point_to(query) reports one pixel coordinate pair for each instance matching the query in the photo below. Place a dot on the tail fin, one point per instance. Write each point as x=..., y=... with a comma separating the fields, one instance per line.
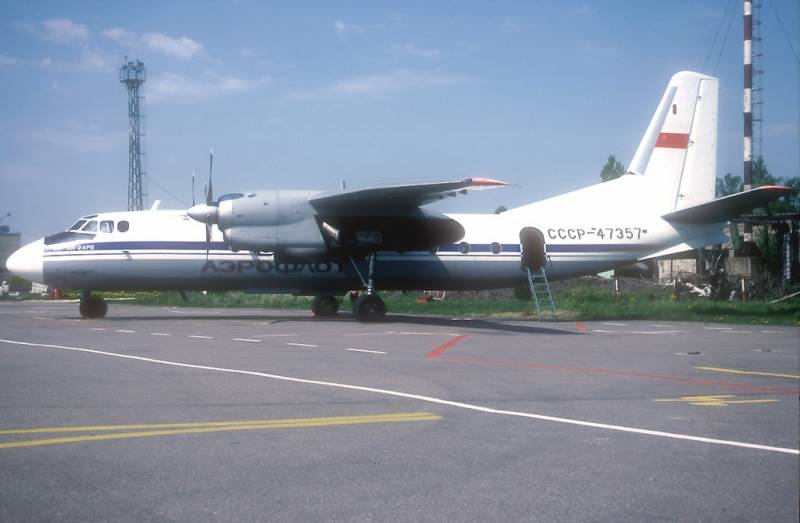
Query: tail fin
x=678, y=153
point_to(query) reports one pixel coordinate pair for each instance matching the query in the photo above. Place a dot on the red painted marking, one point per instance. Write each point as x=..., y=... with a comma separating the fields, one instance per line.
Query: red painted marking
x=580, y=326
x=611, y=372
x=673, y=140
x=486, y=181
x=452, y=342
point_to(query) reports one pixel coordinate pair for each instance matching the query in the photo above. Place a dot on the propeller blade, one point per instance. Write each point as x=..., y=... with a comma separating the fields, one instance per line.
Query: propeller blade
x=193, y=204
x=210, y=193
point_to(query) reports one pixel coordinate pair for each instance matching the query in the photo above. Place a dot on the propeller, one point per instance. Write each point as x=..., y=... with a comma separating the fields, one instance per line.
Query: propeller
x=208, y=212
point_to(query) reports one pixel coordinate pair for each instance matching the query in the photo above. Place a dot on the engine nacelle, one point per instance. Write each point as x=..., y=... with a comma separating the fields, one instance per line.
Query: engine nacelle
x=271, y=221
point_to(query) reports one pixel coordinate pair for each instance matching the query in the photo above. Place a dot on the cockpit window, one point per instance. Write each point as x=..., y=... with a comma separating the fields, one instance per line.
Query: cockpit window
x=90, y=227
x=123, y=226
x=77, y=225
x=67, y=236
x=107, y=226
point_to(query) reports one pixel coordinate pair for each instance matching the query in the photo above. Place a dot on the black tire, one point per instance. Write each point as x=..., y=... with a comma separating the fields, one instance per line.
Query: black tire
x=369, y=308
x=93, y=308
x=323, y=306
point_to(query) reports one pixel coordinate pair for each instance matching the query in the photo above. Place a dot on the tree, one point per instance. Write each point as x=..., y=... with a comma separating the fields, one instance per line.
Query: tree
x=729, y=184
x=612, y=169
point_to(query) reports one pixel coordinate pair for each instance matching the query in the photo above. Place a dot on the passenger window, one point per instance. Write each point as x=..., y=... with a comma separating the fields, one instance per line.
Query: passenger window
x=90, y=227
x=107, y=226
x=77, y=225
x=123, y=226
x=463, y=248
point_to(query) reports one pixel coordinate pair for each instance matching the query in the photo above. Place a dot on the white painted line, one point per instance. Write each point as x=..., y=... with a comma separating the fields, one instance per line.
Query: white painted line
x=39, y=318
x=604, y=332
x=249, y=340
x=771, y=332
x=275, y=335
x=159, y=334
x=718, y=328
x=369, y=351
x=369, y=334
x=660, y=326
x=126, y=332
x=175, y=311
x=300, y=344
x=736, y=332
x=615, y=324
x=97, y=328
x=655, y=332
x=428, y=399
x=201, y=337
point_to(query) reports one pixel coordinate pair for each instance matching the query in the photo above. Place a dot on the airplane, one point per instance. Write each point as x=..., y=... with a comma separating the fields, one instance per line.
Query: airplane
x=324, y=244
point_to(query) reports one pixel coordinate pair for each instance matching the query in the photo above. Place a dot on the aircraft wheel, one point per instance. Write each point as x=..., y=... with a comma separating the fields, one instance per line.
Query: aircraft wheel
x=369, y=308
x=324, y=306
x=93, y=307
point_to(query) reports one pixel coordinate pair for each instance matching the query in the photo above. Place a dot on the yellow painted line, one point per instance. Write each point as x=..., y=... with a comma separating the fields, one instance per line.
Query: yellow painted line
x=752, y=373
x=199, y=428
x=715, y=401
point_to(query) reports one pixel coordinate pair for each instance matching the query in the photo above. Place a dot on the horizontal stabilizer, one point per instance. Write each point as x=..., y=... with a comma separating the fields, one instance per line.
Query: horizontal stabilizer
x=728, y=207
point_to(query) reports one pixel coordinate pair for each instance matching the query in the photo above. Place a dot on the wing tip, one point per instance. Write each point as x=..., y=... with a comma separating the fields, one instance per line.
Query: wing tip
x=486, y=182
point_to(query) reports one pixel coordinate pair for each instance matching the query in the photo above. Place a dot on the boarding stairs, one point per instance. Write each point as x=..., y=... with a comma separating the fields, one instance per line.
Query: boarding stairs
x=540, y=292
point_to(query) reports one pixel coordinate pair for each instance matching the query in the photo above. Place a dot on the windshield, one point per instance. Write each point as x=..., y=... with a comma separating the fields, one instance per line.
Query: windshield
x=77, y=225
x=67, y=236
x=90, y=227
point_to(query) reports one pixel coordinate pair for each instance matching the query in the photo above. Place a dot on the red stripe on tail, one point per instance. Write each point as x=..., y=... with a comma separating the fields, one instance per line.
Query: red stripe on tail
x=673, y=140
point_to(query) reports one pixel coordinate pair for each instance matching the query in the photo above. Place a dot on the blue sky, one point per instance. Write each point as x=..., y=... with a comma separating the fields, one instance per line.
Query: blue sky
x=305, y=94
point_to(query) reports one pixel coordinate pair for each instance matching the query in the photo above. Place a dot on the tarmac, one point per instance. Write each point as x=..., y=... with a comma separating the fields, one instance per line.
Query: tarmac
x=176, y=414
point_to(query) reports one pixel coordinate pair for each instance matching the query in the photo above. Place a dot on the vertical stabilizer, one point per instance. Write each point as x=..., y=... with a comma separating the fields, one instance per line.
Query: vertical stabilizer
x=677, y=154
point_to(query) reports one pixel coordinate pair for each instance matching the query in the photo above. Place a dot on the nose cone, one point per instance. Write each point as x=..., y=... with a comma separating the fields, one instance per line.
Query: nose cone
x=204, y=213
x=28, y=262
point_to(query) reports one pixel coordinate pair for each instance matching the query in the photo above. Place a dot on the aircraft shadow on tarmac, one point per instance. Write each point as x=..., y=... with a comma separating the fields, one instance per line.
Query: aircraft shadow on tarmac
x=391, y=319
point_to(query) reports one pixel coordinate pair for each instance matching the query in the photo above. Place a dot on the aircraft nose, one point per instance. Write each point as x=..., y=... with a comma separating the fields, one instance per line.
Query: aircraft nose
x=28, y=262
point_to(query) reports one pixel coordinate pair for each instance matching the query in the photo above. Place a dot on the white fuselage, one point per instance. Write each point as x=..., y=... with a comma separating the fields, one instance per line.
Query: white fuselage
x=586, y=231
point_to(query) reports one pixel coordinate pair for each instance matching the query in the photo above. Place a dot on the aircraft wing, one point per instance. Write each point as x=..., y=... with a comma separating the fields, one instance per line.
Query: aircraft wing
x=728, y=207
x=380, y=200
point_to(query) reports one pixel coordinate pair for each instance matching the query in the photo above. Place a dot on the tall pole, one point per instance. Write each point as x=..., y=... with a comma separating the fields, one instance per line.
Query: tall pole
x=748, y=94
x=132, y=74
x=748, y=106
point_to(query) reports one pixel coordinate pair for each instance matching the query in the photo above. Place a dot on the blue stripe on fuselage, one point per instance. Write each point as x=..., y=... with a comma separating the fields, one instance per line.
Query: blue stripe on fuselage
x=450, y=248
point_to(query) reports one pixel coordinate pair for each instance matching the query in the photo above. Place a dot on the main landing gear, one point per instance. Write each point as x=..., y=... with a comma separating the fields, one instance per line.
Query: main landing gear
x=369, y=307
x=92, y=306
x=325, y=306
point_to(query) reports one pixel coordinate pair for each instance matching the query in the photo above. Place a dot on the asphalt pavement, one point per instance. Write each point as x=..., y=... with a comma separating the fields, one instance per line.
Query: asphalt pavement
x=187, y=414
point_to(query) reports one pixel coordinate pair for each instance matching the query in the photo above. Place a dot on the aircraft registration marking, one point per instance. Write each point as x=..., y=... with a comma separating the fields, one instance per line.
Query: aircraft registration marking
x=610, y=233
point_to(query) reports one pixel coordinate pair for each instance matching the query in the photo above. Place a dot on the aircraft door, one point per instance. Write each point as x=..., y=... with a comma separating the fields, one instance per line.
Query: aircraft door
x=533, y=252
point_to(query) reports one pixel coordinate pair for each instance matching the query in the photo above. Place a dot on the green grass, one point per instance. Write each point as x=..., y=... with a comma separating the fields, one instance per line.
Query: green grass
x=574, y=304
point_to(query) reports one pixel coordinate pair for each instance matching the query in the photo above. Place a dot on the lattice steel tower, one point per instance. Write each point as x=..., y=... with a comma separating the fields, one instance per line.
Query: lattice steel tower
x=132, y=74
